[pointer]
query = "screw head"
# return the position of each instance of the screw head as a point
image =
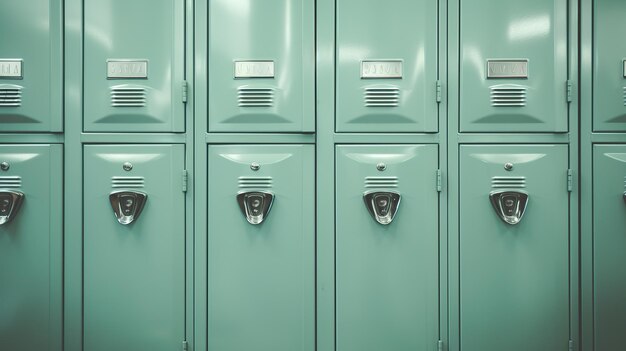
(508, 166)
(127, 166)
(255, 166)
(5, 166)
(381, 167)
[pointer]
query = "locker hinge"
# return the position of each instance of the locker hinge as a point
(438, 91)
(439, 180)
(570, 93)
(571, 345)
(440, 345)
(185, 180)
(185, 345)
(185, 89)
(570, 180)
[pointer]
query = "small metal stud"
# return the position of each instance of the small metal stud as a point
(127, 166)
(381, 167)
(255, 166)
(5, 166)
(508, 166)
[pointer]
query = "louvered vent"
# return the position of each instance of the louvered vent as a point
(127, 182)
(128, 96)
(381, 182)
(255, 97)
(10, 182)
(382, 96)
(508, 182)
(508, 95)
(624, 182)
(10, 95)
(624, 95)
(255, 182)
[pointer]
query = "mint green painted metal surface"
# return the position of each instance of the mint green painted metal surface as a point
(609, 240)
(387, 275)
(609, 71)
(136, 31)
(533, 30)
(134, 275)
(374, 34)
(514, 279)
(261, 278)
(31, 101)
(31, 249)
(278, 31)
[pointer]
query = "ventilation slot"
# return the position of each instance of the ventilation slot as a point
(508, 96)
(128, 96)
(381, 182)
(10, 95)
(255, 182)
(382, 97)
(624, 182)
(10, 182)
(508, 182)
(127, 182)
(255, 97)
(624, 89)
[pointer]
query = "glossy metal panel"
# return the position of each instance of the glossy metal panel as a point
(134, 275)
(387, 275)
(514, 31)
(514, 279)
(261, 278)
(278, 31)
(372, 43)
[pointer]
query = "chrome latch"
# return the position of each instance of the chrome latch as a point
(10, 202)
(382, 205)
(127, 205)
(255, 205)
(509, 205)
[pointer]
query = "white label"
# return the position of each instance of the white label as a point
(127, 69)
(507, 68)
(11, 69)
(381, 69)
(624, 68)
(254, 69)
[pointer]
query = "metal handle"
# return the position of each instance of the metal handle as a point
(10, 203)
(382, 205)
(127, 205)
(255, 205)
(509, 205)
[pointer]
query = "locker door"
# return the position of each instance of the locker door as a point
(387, 66)
(387, 272)
(609, 66)
(31, 241)
(134, 66)
(513, 66)
(514, 247)
(261, 66)
(609, 242)
(31, 66)
(261, 241)
(134, 248)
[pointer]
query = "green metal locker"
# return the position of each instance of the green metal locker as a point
(31, 58)
(261, 242)
(261, 66)
(385, 83)
(387, 247)
(514, 66)
(31, 244)
(134, 247)
(134, 66)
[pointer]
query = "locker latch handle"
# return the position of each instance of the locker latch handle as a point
(255, 205)
(127, 205)
(509, 205)
(382, 205)
(10, 203)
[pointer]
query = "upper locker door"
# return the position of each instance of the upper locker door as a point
(31, 244)
(514, 247)
(31, 66)
(134, 248)
(513, 66)
(261, 239)
(261, 66)
(387, 248)
(134, 66)
(386, 83)
(609, 66)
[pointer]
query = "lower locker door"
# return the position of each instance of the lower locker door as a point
(387, 248)
(31, 220)
(261, 238)
(134, 248)
(514, 248)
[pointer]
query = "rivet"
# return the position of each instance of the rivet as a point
(255, 166)
(381, 167)
(127, 166)
(508, 166)
(5, 166)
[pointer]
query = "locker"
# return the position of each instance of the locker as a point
(31, 242)
(513, 66)
(514, 247)
(31, 66)
(385, 84)
(134, 66)
(262, 72)
(609, 66)
(261, 242)
(134, 247)
(609, 226)
(387, 247)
